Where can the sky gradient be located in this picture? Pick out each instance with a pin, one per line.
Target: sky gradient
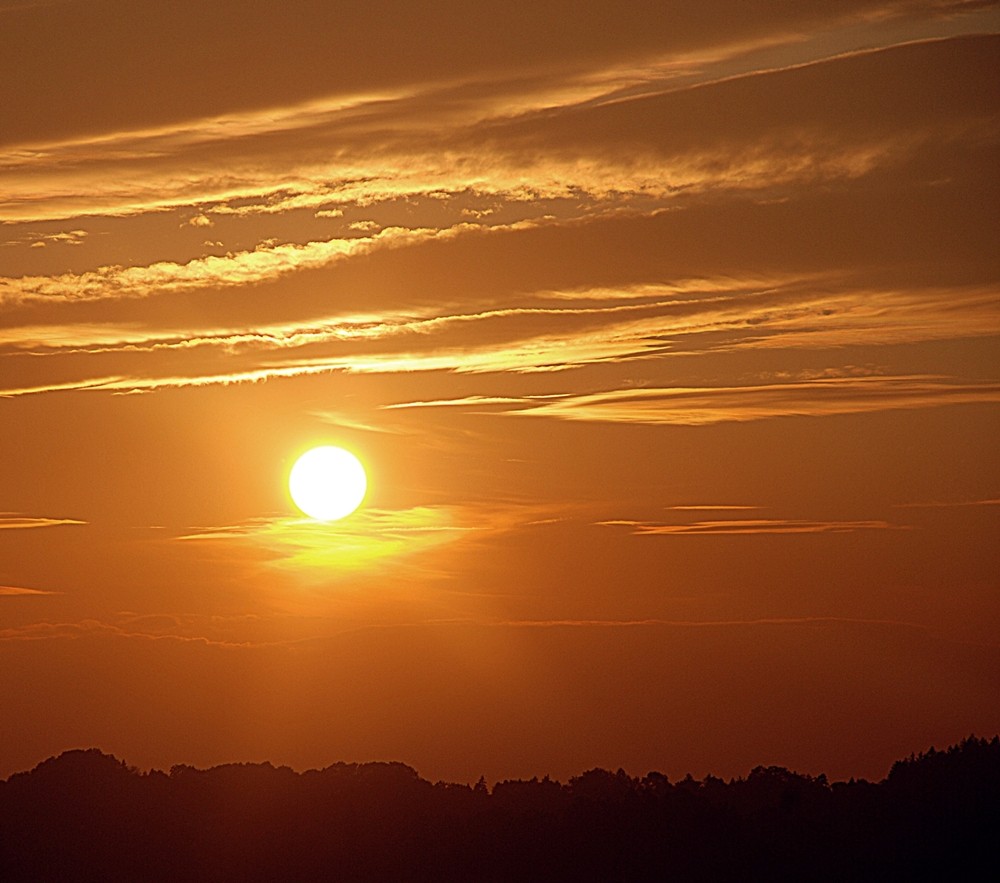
(667, 333)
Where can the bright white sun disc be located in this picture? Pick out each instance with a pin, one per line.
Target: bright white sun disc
(327, 483)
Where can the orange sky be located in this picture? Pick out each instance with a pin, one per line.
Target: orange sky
(668, 334)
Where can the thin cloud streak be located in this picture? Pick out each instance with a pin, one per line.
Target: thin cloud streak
(709, 508)
(134, 628)
(412, 175)
(560, 352)
(957, 504)
(304, 184)
(21, 590)
(583, 336)
(587, 304)
(815, 398)
(91, 628)
(710, 623)
(750, 526)
(793, 315)
(14, 521)
(424, 321)
(365, 542)
(244, 268)
(350, 421)
(452, 142)
(472, 401)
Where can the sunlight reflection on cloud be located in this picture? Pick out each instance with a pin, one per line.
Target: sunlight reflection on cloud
(367, 540)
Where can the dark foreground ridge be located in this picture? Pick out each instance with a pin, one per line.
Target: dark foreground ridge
(86, 816)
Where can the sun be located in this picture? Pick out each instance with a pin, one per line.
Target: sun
(327, 483)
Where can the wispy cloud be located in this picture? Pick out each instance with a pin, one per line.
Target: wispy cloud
(514, 180)
(96, 628)
(21, 590)
(351, 421)
(228, 633)
(793, 310)
(425, 321)
(41, 240)
(711, 623)
(748, 526)
(700, 508)
(539, 332)
(952, 504)
(814, 398)
(519, 138)
(97, 339)
(365, 542)
(473, 401)
(265, 262)
(14, 521)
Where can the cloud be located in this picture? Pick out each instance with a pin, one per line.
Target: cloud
(244, 268)
(422, 320)
(235, 631)
(813, 268)
(96, 628)
(709, 508)
(525, 339)
(815, 398)
(13, 521)
(795, 311)
(473, 401)
(350, 421)
(220, 45)
(21, 590)
(109, 337)
(739, 124)
(248, 631)
(809, 621)
(369, 540)
(44, 630)
(949, 504)
(747, 526)
(544, 330)
(389, 551)
(41, 240)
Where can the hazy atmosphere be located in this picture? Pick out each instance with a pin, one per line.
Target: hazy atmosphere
(666, 332)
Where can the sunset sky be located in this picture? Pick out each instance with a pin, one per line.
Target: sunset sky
(667, 332)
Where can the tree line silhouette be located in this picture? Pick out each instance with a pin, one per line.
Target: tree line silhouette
(87, 816)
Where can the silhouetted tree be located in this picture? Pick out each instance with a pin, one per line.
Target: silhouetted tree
(86, 816)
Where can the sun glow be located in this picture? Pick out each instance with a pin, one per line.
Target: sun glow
(327, 483)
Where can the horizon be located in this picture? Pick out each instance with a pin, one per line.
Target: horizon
(662, 341)
(89, 814)
(916, 756)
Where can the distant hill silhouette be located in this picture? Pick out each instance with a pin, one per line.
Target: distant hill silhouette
(86, 816)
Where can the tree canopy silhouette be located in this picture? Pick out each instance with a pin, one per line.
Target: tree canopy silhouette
(88, 816)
